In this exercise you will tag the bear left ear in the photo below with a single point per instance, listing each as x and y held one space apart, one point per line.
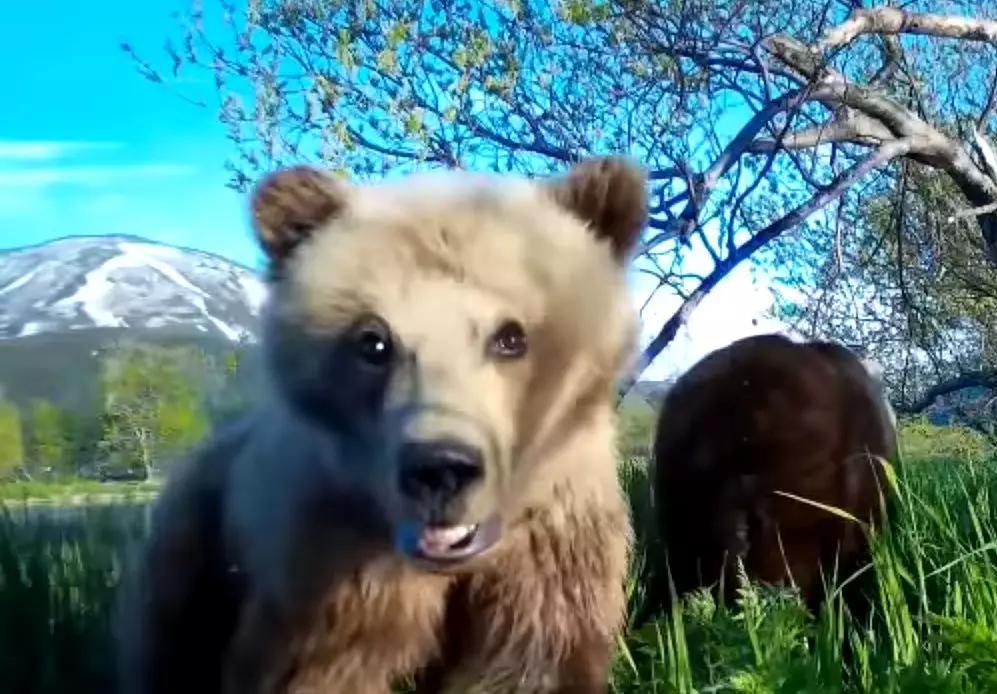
290 204
610 193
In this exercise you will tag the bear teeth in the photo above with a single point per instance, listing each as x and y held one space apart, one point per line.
446 537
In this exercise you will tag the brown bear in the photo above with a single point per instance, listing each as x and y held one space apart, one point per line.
426 490
761 416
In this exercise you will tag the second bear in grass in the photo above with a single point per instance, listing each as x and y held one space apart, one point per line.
427 486
745 440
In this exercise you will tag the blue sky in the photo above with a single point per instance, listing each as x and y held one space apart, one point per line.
88 146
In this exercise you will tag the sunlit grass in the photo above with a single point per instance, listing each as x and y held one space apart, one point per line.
74 491
934 622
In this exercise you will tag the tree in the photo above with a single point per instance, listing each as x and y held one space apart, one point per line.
913 287
83 431
751 117
50 439
179 425
129 419
233 393
153 403
11 441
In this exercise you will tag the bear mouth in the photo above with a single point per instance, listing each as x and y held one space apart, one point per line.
443 546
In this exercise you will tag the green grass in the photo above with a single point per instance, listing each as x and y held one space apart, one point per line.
934 629
57 579
935 621
74 491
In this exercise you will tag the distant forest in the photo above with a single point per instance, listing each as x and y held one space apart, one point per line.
152 402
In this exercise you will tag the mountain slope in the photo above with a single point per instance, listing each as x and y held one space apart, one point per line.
78 283
65 302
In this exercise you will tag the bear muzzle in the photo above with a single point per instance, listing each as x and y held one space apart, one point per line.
435 478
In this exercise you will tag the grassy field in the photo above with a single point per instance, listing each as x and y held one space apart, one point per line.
75 492
936 612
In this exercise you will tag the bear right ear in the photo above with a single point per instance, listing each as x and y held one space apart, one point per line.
609 193
288 205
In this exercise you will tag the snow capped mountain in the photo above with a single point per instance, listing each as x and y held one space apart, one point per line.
125 282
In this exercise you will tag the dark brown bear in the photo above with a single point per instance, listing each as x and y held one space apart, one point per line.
761 416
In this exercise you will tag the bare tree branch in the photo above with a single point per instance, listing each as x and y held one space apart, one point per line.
890 20
973 379
669 330
703 185
884 115
851 127
973 211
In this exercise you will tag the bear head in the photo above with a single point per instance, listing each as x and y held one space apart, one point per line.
446 331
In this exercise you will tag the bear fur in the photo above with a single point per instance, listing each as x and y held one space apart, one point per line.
762 415
439 357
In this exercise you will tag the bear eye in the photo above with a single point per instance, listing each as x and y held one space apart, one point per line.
371 341
509 341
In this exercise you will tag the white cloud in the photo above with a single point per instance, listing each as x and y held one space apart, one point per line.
40 177
47 150
37 164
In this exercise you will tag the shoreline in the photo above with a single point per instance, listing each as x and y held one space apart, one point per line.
75 499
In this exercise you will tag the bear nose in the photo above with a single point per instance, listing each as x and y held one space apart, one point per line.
440 469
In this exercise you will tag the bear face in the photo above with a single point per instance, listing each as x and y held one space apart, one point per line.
442 332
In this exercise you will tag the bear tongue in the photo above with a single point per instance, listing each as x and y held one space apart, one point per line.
440 539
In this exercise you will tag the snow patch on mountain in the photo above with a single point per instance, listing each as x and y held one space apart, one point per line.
123 282
19 282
